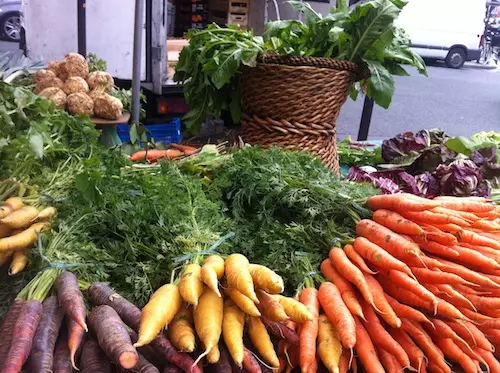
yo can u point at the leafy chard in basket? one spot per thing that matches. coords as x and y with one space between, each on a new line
209 66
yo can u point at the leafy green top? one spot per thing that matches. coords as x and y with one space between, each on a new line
366 34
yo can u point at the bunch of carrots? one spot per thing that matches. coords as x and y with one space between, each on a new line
19 228
419 288
153 155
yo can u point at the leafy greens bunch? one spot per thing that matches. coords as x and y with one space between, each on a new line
366 34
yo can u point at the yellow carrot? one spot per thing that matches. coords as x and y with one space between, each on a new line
266 279
181 331
214 355
208 317
22 240
243 302
329 346
270 307
232 330
20 218
158 313
238 275
262 341
190 285
212 271
5 257
295 310
12 204
19 262
5 231
46 214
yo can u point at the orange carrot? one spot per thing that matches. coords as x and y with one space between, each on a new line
378 256
400 202
138 156
462 204
471 333
475 259
186 149
453 296
490 359
429 276
347 292
366 350
484 303
405 311
452 351
381 305
393 243
434 234
408 283
383 339
436 248
443 330
448 227
350 272
396 223
357 259
416 355
344 361
154 155
432 218
308 332
467 216
465 273
486 225
424 341
388 361
338 313
476 239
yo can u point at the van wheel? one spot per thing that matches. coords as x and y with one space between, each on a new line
455 58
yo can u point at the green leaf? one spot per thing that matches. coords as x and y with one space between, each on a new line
134 136
380 84
466 146
396 69
354 92
36 143
306 9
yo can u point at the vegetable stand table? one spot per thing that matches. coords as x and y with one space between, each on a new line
109 136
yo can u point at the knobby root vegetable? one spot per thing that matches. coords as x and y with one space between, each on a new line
7 328
190 284
250 363
281 331
41 356
113 336
10 205
62 360
46 214
309 330
213 355
236 268
337 312
246 304
232 330
208 318
262 341
93 359
71 298
20 218
23 332
22 240
102 294
295 310
158 312
19 262
266 279
329 346
270 306
212 271
181 330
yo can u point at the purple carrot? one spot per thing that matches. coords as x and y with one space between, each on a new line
144 366
172 369
102 294
71 298
24 332
75 337
250 363
7 328
93 359
113 337
62 360
147 351
41 356
280 330
224 363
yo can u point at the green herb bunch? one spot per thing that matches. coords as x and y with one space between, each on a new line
366 34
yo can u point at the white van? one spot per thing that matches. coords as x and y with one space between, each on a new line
448 30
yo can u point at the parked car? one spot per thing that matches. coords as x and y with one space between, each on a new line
10 20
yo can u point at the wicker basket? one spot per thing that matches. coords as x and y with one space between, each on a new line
294 102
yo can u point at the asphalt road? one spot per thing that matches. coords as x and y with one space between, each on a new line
461 102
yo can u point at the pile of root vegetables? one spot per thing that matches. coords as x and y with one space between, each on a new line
420 287
20 225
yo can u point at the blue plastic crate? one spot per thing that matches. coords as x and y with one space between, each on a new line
167 133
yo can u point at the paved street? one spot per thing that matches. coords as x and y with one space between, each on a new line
461 102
